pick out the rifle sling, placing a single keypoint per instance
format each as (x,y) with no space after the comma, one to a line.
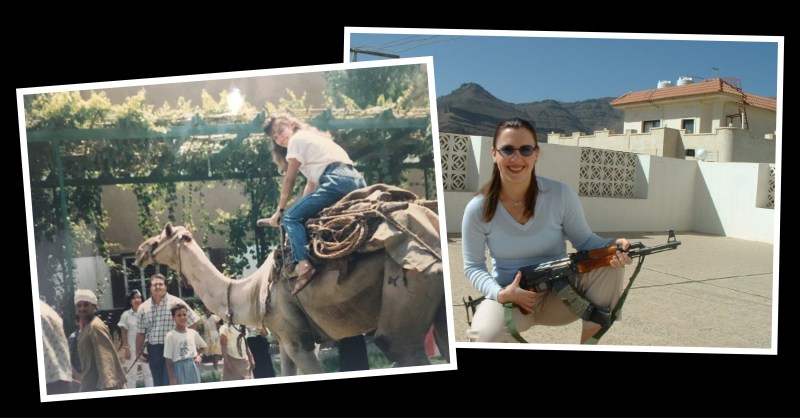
(593,340)
(580,306)
(509,319)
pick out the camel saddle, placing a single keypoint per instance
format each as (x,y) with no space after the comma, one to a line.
(376,217)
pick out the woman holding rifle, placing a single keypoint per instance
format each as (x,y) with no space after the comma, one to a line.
(524,220)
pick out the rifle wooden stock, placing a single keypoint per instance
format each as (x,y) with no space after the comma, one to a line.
(600,257)
(596,263)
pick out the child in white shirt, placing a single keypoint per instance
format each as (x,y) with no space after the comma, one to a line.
(183,349)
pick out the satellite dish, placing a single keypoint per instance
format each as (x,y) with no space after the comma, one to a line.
(700,154)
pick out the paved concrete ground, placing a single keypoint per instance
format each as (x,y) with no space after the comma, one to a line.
(711,292)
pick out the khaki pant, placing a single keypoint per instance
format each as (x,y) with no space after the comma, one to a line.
(602,287)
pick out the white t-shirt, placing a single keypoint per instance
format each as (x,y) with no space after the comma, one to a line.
(314,152)
(182,345)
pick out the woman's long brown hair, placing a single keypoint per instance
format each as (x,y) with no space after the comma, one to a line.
(272,125)
(275,123)
(491,190)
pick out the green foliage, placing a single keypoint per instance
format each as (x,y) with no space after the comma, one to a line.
(349,104)
(151,201)
(210,375)
(96,159)
(68,110)
(377,360)
(261,186)
(293,102)
(379,152)
(135,113)
(236,226)
(398,87)
(167,115)
(211,106)
(139,150)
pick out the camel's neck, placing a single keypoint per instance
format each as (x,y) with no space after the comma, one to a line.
(211,287)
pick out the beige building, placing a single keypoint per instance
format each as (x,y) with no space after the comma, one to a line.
(713,115)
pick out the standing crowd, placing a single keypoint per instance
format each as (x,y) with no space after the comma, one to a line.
(158,338)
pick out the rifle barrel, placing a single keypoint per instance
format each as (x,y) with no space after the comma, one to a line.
(639,251)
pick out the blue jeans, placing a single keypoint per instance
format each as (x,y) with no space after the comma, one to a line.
(337,181)
(158,365)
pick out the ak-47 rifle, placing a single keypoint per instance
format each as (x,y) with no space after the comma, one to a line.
(554,275)
(540,277)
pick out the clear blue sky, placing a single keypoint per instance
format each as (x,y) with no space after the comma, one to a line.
(527,69)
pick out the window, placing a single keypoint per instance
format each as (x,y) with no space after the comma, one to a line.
(649,124)
(135,278)
(688,125)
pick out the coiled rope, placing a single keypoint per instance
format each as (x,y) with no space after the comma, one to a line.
(340,230)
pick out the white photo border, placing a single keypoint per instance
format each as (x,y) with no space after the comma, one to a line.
(21,92)
(773,349)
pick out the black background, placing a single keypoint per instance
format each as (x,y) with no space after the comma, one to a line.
(488,382)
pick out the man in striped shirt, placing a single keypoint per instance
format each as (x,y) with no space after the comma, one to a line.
(57,369)
(155,321)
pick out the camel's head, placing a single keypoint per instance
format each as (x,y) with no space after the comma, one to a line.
(162,248)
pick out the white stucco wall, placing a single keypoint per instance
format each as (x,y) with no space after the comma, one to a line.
(668,204)
(703,125)
(717,115)
(481,157)
(673,114)
(634,116)
(560,162)
(750,148)
(670,193)
(726,198)
(724,145)
(719,144)
(761,121)
(93,273)
(664,183)
(454,204)
(659,141)
(650,143)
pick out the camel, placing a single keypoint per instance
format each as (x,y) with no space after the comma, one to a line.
(374,293)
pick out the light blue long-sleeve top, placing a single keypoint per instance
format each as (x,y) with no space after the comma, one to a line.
(558,215)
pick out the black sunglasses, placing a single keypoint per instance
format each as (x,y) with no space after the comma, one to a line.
(525,150)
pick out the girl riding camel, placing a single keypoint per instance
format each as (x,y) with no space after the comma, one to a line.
(329,173)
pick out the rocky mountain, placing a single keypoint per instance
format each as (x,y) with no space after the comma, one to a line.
(470,109)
